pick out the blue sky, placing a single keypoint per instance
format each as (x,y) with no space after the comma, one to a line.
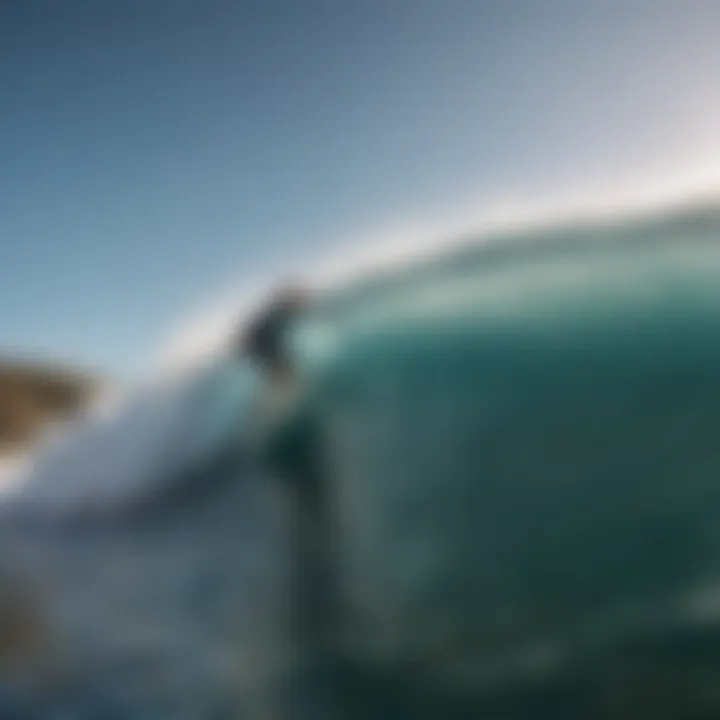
(153,151)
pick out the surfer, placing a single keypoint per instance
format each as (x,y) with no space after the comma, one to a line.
(285,436)
(264,341)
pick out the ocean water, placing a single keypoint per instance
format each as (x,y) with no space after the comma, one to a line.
(524,463)
(522,494)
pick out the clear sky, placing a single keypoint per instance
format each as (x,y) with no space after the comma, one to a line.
(153,151)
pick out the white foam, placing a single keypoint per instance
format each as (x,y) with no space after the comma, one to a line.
(132,443)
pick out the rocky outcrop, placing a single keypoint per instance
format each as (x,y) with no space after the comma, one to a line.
(33,394)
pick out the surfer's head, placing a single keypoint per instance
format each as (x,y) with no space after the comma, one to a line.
(292,296)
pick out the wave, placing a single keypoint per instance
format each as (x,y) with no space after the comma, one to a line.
(544,240)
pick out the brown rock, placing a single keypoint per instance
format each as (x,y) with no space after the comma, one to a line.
(33,395)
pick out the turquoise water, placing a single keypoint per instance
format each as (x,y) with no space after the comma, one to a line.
(523,442)
(545,265)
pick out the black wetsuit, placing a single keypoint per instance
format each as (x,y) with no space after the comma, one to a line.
(265,341)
